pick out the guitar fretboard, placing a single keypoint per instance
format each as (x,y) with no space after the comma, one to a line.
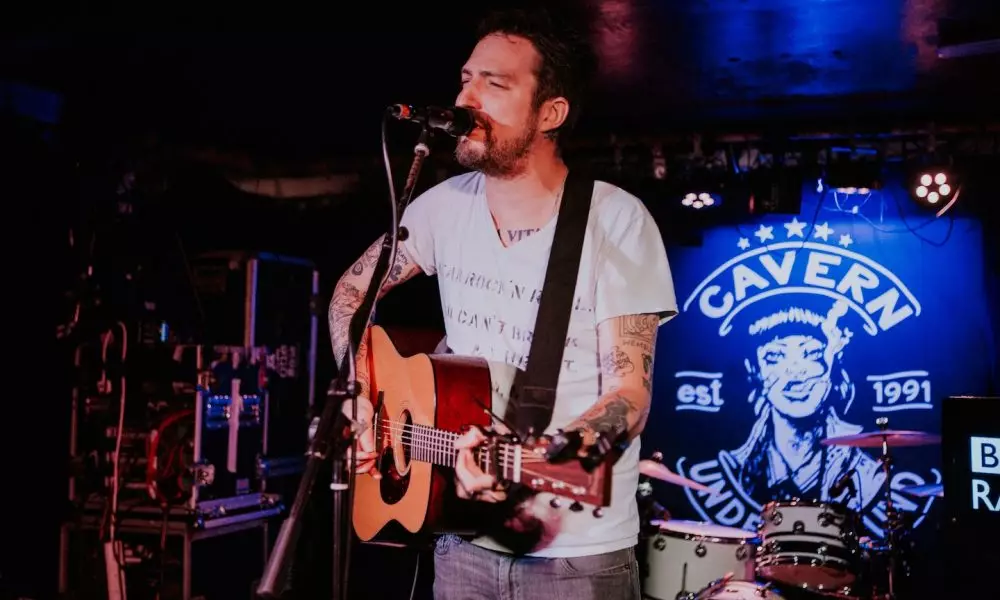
(437,446)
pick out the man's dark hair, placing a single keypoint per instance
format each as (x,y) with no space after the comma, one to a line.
(567,60)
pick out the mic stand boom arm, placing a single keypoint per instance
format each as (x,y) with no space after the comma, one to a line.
(335,433)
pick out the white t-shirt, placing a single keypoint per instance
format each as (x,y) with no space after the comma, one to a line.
(490,295)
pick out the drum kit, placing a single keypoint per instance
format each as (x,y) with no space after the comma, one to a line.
(801,549)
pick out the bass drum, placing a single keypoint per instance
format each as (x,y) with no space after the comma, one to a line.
(686,556)
(741,590)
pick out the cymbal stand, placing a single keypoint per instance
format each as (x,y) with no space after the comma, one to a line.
(894,524)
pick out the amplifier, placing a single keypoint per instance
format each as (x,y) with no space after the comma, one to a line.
(270,301)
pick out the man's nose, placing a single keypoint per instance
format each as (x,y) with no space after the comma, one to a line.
(468,97)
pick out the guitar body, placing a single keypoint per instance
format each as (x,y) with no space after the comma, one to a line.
(443,392)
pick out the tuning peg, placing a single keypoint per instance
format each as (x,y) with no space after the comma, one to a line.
(555,503)
(576,507)
(598,513)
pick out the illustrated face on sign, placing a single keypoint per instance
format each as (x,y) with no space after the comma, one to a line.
(795,370)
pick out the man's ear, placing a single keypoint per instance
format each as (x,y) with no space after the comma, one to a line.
(553,114)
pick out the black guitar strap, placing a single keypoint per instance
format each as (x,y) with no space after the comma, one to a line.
(533,393)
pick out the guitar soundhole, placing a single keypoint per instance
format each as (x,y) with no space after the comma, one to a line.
(394,464)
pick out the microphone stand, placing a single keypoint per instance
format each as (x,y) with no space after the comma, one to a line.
(335,432)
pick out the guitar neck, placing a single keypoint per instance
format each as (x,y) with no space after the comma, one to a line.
(437,446)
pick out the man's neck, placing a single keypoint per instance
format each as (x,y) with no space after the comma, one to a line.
(531,192)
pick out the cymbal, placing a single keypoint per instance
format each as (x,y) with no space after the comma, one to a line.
(651,468)
(893,437)
(924,491)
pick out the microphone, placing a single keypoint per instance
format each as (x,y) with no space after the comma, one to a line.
(454,121)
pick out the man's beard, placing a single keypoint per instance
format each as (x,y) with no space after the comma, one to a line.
(495,158)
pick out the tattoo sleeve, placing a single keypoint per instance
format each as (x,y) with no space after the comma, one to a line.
(350,292)
(626,378)
(610,417)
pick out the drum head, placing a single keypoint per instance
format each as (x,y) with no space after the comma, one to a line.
(708,531)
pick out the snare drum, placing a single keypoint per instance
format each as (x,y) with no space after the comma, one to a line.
(686,556)
(810,545)
(742,590)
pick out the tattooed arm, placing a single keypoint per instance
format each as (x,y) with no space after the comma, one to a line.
(349,293)
(626,345)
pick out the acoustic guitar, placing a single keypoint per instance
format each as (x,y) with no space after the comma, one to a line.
(422,404)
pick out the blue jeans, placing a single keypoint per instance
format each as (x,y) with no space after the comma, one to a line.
(463,571)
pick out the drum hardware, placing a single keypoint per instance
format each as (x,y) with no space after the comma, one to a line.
(892,544)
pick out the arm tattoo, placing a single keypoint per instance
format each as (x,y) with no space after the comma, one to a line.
(344,304)
(399,264)
(640,327)
(617,363)
(647,368)
(609,417)
(370,256)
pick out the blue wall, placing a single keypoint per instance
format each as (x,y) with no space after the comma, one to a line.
(798,328)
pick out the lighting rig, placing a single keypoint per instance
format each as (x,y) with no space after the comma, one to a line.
(694,181)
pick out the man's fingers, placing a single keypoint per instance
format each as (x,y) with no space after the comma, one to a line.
(366,463)
(471,476)
(470,439)
(366,441)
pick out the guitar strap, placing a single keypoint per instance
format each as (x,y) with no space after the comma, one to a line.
(533,393)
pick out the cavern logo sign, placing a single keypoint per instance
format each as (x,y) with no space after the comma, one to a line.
(793,303)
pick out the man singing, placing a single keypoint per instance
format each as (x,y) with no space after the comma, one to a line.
(487,235)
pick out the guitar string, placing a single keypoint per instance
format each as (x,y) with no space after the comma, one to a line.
(439,441)
(439,445)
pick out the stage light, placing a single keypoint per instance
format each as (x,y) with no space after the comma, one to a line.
(935,187)
(700,200)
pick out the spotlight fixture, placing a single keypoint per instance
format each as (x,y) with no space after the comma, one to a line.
(700,200)
(935,187)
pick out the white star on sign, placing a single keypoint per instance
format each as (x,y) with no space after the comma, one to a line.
(795,228)
(845,240)
(764,233)
(743,243)
(823,231)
